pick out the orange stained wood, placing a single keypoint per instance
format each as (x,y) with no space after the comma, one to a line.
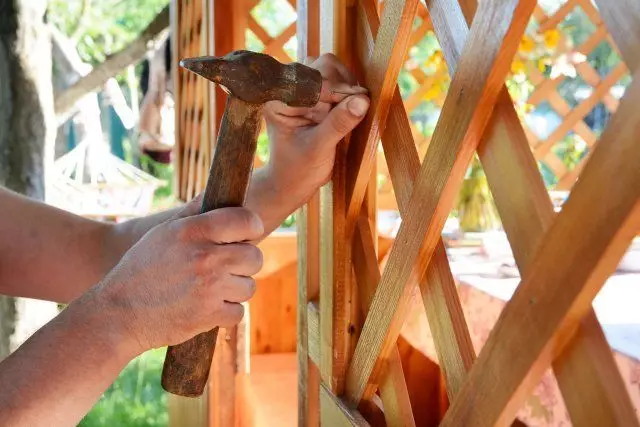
(381,75)
(336,286)
(492,42)
(523,344)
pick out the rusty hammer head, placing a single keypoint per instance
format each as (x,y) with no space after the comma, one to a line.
(257,78)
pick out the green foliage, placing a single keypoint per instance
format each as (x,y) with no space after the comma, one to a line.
(136,398)
(103,27)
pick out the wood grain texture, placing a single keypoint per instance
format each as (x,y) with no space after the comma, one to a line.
(485,62)
(187,365)
(381,75)
(336,287)
(523,344)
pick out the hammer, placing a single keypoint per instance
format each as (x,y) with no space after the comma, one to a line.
(250,79)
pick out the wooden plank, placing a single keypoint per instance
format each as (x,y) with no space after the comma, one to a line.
(308,35)
(381,76)
(335,413)
(621,18)
(492,42)
(523,343)
(336,287)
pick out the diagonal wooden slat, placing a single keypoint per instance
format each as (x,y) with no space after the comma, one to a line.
(381,76)
(492,43)
(451,336)
(587,372)
(393,388)
(523,343)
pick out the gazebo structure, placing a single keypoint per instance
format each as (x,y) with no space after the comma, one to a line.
(384,333)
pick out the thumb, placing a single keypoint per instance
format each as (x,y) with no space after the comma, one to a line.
(344,117)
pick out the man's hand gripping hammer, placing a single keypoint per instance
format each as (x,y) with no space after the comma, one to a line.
(251,79)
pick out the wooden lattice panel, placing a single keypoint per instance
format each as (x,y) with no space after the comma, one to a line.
(568,96)
(349,325)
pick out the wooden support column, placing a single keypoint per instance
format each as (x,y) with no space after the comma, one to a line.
(336,287)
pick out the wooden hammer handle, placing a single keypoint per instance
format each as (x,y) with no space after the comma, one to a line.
(187,365)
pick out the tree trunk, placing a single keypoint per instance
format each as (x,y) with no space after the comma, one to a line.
(27,120)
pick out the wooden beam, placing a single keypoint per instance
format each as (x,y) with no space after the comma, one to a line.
(523,344)
(492,42)
(381,76)
(335,264)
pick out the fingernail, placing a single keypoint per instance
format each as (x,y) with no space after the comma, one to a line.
(358,106)
(359,89)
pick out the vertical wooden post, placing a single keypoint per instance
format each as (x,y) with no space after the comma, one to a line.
(308,227)
(335,254)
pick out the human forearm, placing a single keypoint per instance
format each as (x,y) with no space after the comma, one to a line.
(273,199)
(56,376)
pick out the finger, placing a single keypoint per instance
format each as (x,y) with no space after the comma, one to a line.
(335,92)
(225,225)
(238,288)
(277,107)
(230,314)
(318,113)
(343,118)
(289,122)
(240,259)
